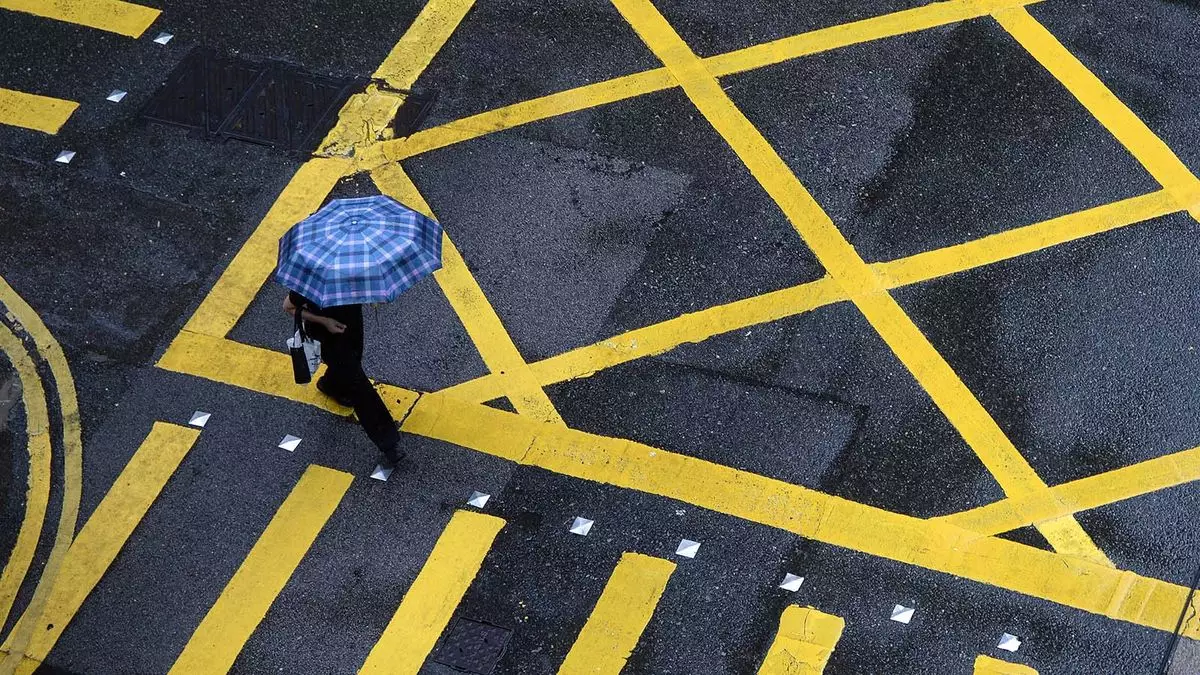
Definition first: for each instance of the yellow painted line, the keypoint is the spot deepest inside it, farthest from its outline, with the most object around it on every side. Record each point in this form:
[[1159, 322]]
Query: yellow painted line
[[804, 643], [933, 545], [366, 116], [37, 482], [856, 278], [261, 576], [50, 352], [701, 325], [114, 16], [649, 81], [31, 111], [616, 623], [1091, 492], [100, 540], [434, 595], [480, 320], [1131, 132], [253, 264], [986, 665]]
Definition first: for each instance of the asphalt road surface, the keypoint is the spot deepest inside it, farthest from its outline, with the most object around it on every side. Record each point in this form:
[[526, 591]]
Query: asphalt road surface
[[897, 298]]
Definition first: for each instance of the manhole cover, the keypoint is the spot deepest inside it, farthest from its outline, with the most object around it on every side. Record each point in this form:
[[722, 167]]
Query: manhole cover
[[472, 646], [268, 103]]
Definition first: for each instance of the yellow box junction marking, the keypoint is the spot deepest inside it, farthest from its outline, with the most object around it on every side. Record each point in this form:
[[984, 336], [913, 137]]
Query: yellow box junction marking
[[114, 16], [804, 643], [616, 623], [701, 325], [31, 111], [433, 597], [261, 576], [629, 86], [1124, 125], [37, 481], [986, 665], [481, 322], [856, 278], [99, 542]]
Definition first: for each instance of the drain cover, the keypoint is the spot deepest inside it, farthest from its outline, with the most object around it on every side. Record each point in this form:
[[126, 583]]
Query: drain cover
[[268, 103], [472, 646]]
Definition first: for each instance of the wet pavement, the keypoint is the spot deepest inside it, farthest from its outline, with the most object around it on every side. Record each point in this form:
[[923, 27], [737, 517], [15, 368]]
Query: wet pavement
[[590, 234]]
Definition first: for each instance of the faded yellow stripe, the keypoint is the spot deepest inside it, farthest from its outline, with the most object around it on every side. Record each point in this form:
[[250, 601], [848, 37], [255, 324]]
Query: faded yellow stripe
[[986, 665], [480, 320], [261, 576], [37, 479], [250, 268], [434, 595], [649, 81], [1124, 125], [860, 283], [698, 326], [616, 623], [423, 39], [804, 643], [1080, 495], [31, 111], [101, 539], [111, 15]]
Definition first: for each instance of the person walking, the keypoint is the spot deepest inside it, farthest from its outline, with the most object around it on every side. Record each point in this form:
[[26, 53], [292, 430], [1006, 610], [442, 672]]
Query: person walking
[[339, 329], [348, 253]]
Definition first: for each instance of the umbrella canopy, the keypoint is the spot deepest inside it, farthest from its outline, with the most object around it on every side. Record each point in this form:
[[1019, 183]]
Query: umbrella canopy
[[360, 250]]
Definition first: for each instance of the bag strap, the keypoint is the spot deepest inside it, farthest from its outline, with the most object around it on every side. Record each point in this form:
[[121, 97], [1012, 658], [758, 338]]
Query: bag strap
[[299, 327]]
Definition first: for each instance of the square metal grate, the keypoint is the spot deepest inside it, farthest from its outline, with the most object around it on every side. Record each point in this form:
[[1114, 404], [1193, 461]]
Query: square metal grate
[[472, 646]]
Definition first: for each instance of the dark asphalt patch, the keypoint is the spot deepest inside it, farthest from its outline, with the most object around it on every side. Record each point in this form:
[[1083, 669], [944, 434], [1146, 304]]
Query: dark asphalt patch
[[504, 53], [977, 139], [712, 28], [1145, 52]]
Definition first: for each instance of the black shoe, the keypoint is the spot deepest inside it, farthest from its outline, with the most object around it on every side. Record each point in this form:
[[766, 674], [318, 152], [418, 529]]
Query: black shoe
[[324, 387], [393, 456]]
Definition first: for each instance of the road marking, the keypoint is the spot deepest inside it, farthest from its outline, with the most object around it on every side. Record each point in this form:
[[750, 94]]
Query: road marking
[[366, 116], [111, 15], [1091, 492], [1131, 132], [856, 278], [51, 354], [31, 111], [480, 320], [261, 576], [986, 665], [933, 545], [434, 595], [650, 81], [621, 614], [37, 490], [804, 643], [101, 539], [699, 326]]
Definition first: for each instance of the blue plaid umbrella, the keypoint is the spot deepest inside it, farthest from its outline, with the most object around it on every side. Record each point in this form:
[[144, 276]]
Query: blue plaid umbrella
[[354, 251]]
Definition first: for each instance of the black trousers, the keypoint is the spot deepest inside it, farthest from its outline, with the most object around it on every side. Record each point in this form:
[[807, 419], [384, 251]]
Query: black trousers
[[344, 378]]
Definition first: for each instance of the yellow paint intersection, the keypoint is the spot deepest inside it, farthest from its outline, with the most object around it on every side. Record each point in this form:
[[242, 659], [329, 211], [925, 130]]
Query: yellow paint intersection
[[960, 544]]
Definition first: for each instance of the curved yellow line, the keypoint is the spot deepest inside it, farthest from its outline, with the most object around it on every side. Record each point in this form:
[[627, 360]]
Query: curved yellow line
[[51, 352], [37, 494]]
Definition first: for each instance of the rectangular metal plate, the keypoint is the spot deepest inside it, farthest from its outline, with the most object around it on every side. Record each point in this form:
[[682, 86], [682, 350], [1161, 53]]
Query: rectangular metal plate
[[472, 646]]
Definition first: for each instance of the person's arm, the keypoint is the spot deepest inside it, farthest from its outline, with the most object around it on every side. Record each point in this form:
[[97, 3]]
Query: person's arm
[[307, 315]]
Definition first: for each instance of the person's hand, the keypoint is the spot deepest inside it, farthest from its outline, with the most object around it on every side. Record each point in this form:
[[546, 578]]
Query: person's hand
[[333, 326]]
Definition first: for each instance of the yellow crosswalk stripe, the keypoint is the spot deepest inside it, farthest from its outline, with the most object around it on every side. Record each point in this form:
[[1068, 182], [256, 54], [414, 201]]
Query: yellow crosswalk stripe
[[114, 16], [805, 641], [620, 616], [249, 594], [31, 111], [101, 539], [434, 595]]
